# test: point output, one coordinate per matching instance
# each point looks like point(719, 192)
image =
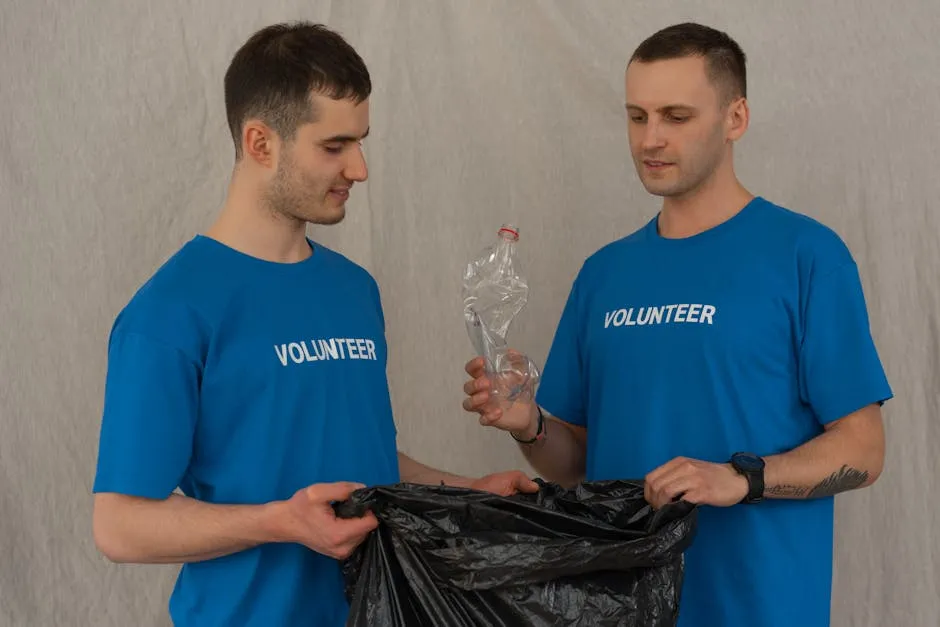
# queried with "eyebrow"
point(345, 138)
point(670, 107)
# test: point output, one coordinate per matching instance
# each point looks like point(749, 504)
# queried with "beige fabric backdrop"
point(113, 152)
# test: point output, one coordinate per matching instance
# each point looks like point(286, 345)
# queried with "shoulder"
point(168, 309)
point(341, 264)
point(347, 273)
point(817, 247)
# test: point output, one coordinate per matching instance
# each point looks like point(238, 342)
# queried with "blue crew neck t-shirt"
point(241, 381)
point(751, 336)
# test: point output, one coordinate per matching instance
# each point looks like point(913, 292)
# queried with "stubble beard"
point(286, 199)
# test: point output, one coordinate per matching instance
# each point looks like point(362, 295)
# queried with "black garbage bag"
point(442, 556)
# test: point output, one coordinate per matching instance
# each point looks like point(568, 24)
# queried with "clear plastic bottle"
point(494, 292)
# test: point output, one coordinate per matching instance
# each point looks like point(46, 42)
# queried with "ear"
point(739, 115)
point(260, 143)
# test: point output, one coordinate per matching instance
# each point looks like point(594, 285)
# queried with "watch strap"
point(754, 477)
point(539, 430)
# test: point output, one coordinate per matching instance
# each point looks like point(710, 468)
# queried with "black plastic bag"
point(593, 555)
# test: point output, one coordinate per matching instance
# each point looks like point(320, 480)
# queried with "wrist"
point(457, 481)
point(741, 482)
point(271, 523)
point(535, 429)
point(751, 469)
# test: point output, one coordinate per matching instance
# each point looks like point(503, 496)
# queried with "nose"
point(652, 138)
point(356, 168)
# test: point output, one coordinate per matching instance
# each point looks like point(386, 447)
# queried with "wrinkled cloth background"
point(114, 151)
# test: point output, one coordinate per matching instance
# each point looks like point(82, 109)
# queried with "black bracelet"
point(539, 430)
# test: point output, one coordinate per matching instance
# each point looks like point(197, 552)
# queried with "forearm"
point(178, 529)
point(848, 456)
point(560, 456)
point(416, 472)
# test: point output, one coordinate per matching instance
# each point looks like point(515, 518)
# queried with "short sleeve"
point(151, 403)
point(840, 370)
point(561, 391)
point(377, 298)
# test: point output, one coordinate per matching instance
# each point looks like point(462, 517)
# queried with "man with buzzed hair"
point(722, 351)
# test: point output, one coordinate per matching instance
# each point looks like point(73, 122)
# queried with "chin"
point(663, 190)
point(657, 190)
point(332, 216)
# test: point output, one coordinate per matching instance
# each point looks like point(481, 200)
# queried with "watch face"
point(747, 462)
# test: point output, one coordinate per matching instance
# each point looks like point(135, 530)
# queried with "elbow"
point(112, 552)
point(106, 530)
point(876, 455)
point(109, 543)
point(872, 475)
point(875, 467)
point(874, 463)
point(863, 435)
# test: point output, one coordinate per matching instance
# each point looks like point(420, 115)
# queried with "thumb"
point(524, 483)
point(528, 486)
point(512, 353)
point(328, 492)
point(356, 527)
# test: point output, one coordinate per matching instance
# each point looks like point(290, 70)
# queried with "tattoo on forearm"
point(844, 479)
point(794, 491)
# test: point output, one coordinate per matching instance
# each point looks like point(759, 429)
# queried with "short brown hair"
point(724, 58)
point(274, 73)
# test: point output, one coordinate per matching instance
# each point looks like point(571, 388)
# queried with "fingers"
point(516, 358)
point(353, 528)
point(478, 393)
point(669, 470)
point(476, 403)
point(475, 367)
point(673, 489)
point(475, 385)
point(506, 381)
point(669, 480)
point(329, 492)
point(355, 532)
point(526, 485)
point(345, 534)
point(490, 418)
point(506, 483)
point(516, 365)
point(665, 469)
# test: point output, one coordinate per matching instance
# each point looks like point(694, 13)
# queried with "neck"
point(247, 224)
point(716, 200)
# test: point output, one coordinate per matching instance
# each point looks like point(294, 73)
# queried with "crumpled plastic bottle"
point(494, 292)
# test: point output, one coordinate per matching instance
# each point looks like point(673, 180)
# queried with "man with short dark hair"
point(250, 370)
point(722, 352)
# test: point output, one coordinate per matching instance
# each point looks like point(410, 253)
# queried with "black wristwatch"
point(752, 467)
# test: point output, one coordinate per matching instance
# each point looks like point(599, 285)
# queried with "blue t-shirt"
point(241, 381)
point(750, 336)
